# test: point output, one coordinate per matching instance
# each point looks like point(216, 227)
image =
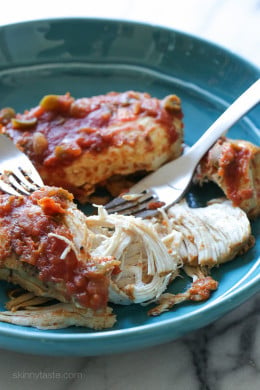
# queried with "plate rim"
point(145, 24)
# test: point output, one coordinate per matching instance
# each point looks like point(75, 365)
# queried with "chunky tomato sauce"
point(201, 288)
point(29, 223)
point(232, 169)
point(155, 205)
point(63, 128)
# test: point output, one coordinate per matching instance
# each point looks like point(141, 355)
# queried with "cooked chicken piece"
point(145, 264)
point(44, 249)
point(60, 316)
point(25, 310)
point(199, 290)
point(92, 142)
point(234, 165)
point(208, 236)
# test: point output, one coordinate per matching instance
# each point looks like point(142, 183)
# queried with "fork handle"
point(230, 116)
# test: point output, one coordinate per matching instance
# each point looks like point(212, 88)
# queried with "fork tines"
point(17, 182)
point(139, 205)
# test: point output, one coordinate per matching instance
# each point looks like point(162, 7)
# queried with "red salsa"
point(201, 288)
point(61, 128)
point(232, 169)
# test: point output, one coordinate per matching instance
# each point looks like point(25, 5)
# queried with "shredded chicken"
point(200, 290)
point(146, 266)
point(150, 255)
point(59, 316)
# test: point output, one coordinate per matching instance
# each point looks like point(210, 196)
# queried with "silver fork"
point(17, 174)
point(170, 182)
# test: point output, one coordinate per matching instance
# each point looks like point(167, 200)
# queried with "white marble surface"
point(222, 356)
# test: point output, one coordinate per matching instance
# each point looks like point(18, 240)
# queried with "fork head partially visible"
point(17, 174)
point(147, 203)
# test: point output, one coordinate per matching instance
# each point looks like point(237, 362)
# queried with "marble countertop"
point(222, 356)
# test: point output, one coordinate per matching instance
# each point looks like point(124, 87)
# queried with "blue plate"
point(90, 57)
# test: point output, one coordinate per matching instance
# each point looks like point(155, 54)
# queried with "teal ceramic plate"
point(89, 57)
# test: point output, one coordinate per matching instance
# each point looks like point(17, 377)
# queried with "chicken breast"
point(44, 249)
point(234, 165)
point(210, 235)
point(93, 142)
